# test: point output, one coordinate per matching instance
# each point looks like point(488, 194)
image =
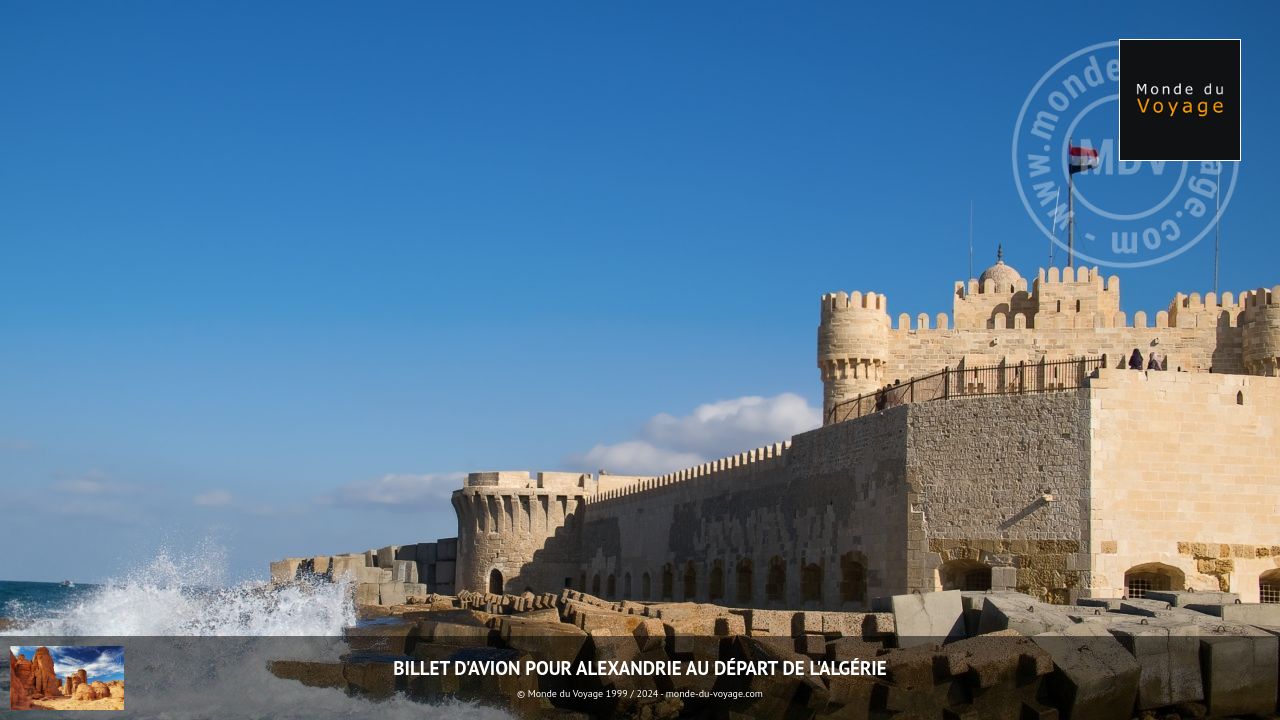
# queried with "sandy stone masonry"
point(1138, 481)
point(1065, 313)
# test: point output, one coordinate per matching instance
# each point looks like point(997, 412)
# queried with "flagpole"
point(1057, 214)
point(1217, 231)
point(1071, 210)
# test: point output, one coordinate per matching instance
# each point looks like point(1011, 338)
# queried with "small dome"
point(1003, 275)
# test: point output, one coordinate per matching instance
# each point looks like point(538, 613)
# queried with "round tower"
point(853, 345)
point(1260, 338)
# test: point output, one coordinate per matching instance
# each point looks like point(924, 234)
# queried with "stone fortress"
point(1122, 482)
point(1031, 459)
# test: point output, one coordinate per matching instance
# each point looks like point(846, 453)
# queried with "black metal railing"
point(1001, 379)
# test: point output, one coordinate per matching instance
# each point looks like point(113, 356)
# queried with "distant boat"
point(68, 583)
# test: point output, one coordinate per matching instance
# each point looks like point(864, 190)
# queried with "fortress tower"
point(517, 531)
point(853, 344)
point(1065, 313)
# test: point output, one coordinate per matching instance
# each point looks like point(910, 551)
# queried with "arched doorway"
point(965, 574)
point(744, 580)
point(495, 581)
point(853, 578)
point(715, 590)
point(1140, 579)
point(811, 582)
point(611, 587)
point(645, 586)
point(690, 581)
point(1269, 587)
point(668, 582)
point(775, 586)
point(626, 586)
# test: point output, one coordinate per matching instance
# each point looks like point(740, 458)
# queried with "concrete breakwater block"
point(1168, 654)
point(1240, 671)
point(1093, 678)
point(1024, 614)
point(925, 618)
point(1190, 598)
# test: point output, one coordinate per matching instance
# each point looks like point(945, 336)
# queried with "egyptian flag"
point(1082, 159)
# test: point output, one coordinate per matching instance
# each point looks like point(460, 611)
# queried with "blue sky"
point(101, 663)
point(273, 274)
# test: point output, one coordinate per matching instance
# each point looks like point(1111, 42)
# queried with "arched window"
point(964, 574)
point(1240, 397)
point(611, 587)
point(495, 582)
point(775, 586)
point(595, 585)
point(626, 585)
point(811, 582)
point(644, 586)
point(744, 573)
point(1152, 576)
point(715, 590)
point(1269, 586)
point(690, 581)
point(853, 577)
point(668, 582)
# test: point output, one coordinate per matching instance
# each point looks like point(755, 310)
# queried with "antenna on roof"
point(970, 240)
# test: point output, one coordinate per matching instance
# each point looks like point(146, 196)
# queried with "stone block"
point(650, 634)
point(927, 617)
point(405, 571)
point(1021, 613)
point(544, 641)
point(348, 567)
point(445, 573)
point(426, 553)
point(387, 555)
point(285, 570)
point(391, 593)
point(1004, 578)
point(366, 594)
point(1190, 598)
point(1094, 677)
point(447, 549)
point(769, 622)
point(457, 634)
point(1240, 671)
point(1250, 613)
point(320, 564)
point(407, 552)
point(1168, 655)
point(394, 638)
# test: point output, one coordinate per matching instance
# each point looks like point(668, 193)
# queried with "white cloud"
point(633, 457)
point(213, 498)
point(711, 431)
point(107, 663)
point(398, 490)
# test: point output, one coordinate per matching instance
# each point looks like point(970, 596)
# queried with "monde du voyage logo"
point(1115, 212)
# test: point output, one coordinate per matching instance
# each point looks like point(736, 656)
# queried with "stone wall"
point(1000, 481)
point(1185, 471)
point(821, 524)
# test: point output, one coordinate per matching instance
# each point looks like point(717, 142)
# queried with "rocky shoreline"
point(946, 654)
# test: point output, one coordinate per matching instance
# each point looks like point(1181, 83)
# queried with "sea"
point(176, 625)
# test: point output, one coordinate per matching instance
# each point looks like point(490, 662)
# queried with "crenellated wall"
point(1065, 313)
point(524, 527)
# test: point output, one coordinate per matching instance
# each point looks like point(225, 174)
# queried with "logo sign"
point(1127, 213)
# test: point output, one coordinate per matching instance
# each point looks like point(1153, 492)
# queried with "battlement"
point(856, 300)
point(575, 483)
point(759, 458)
